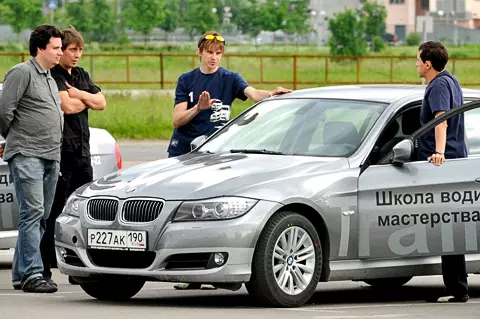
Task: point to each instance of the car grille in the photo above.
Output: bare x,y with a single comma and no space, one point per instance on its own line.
102,209
141,210
121,258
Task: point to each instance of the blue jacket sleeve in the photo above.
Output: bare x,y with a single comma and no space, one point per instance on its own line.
239,87
181,94
440,98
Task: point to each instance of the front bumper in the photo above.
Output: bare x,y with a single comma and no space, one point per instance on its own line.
167,242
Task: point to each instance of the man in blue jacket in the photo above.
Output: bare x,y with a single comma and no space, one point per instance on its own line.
446,141
199,92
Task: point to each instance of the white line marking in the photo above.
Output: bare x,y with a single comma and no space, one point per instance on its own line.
364,316
315,309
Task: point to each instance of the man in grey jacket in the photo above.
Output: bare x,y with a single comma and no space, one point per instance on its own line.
31,121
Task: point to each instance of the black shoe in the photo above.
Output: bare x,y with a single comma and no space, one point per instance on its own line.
38,285
51,282
17,287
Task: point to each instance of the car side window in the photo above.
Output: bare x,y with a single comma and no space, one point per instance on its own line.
403,125
472,131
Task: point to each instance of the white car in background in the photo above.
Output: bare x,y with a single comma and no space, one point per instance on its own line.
106,158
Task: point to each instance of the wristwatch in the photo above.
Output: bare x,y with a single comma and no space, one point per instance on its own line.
442,152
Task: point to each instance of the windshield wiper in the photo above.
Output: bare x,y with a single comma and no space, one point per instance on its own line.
251,151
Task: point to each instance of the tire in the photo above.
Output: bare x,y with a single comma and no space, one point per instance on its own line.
388,282
263,285
118,289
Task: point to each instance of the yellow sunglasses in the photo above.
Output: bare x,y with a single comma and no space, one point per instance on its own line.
211,37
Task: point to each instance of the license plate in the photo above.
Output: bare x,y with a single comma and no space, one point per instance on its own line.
117,239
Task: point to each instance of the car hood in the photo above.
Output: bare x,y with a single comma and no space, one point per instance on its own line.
196,176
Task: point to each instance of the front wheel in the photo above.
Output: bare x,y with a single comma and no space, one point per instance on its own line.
113,289
287,262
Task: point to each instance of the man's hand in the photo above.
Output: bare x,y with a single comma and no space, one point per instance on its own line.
73,92
437,159
280,90
204,101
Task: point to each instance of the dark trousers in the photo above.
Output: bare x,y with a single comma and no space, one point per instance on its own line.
454,272
75,172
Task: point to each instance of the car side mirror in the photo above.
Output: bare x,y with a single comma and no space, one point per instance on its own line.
197,141
402,152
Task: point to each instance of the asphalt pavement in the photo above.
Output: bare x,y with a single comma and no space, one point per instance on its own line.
333,300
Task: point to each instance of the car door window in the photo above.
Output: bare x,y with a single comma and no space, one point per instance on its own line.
472,130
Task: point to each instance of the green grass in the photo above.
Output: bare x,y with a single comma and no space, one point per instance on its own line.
148,117
277,70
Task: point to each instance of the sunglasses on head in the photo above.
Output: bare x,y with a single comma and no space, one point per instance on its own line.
211,37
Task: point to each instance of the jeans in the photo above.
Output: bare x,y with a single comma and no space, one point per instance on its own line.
76,171
34,180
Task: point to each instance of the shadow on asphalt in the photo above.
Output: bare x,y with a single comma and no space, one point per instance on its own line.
240,299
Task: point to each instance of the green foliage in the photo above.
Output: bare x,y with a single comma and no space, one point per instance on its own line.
347,34
21,14
298,18
375,16
171,16
103,22
413,39
143,15
378,44
249,19
79,17
274,14
199,17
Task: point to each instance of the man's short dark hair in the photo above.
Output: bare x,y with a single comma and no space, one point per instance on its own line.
40,37
435,52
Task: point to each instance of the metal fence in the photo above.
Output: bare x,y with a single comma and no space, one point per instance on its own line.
296,71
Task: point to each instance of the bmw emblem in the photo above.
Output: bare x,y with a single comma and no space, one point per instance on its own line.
290,260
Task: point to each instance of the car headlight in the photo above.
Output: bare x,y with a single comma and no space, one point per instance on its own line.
72,205
214,209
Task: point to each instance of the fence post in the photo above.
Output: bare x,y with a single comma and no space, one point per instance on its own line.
391,70
128,68
294,72
326,69
261,69
23,57
161,72
358,69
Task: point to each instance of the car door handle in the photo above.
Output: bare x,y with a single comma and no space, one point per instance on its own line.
477,180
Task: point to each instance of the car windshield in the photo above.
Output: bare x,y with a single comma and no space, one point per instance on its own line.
313,127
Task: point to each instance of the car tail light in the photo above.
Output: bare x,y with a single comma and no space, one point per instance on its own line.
118,156
394,39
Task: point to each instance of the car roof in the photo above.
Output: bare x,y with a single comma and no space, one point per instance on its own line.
386,93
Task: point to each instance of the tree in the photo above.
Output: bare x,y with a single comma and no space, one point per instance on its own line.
200,17
374,15
347,33
103,22
274,15
249,19
21,14
143,15
171,16
297,21
80,18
